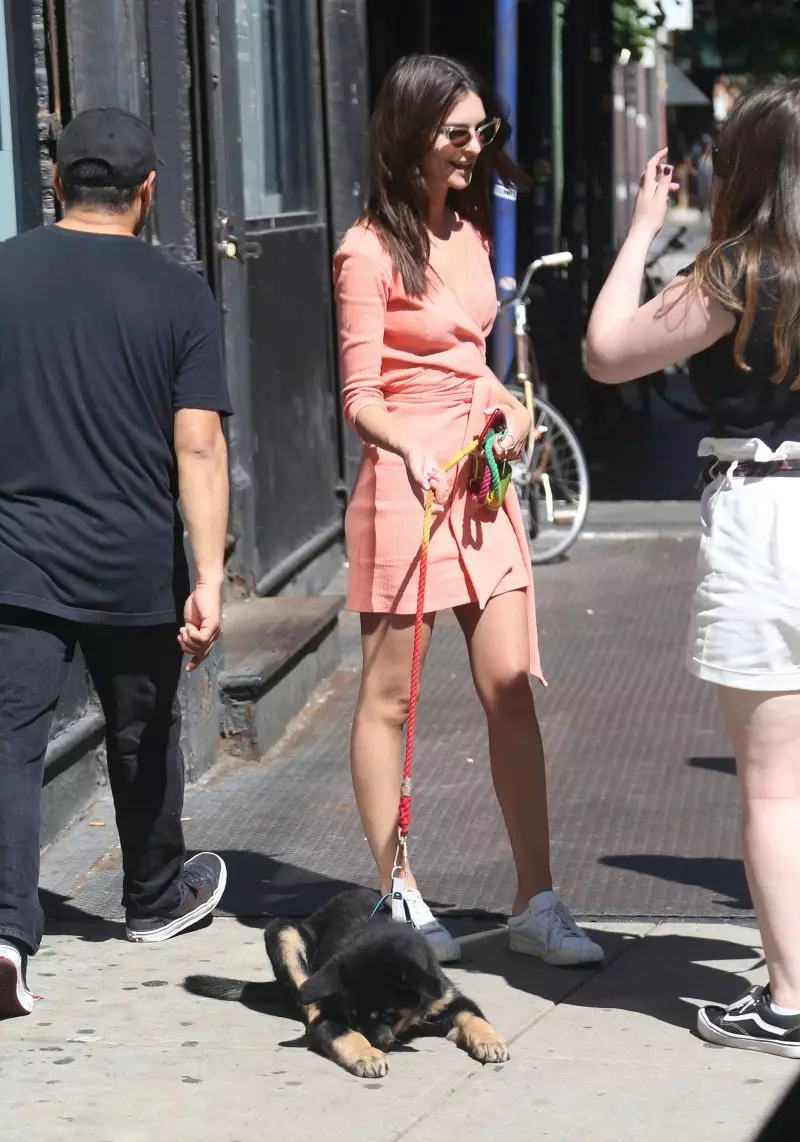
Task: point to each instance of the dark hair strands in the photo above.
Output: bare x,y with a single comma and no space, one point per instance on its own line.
90,184
414,101
755,221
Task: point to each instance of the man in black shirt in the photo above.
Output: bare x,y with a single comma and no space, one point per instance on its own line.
111,393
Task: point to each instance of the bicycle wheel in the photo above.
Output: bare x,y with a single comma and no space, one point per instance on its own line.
552,482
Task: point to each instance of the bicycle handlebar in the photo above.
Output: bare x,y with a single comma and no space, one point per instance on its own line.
547,261
562,258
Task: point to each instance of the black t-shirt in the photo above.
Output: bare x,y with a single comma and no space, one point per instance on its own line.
102,339
744,404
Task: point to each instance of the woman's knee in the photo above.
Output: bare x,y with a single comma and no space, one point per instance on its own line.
388,705
507,690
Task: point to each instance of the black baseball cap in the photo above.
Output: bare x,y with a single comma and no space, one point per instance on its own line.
117,139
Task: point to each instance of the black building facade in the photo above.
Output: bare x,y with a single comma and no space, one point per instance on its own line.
259,108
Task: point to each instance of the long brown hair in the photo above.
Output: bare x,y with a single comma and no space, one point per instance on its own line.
755,220
413,102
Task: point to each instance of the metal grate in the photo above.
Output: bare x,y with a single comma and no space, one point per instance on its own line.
642,789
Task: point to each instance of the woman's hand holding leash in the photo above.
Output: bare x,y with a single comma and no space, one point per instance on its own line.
425,472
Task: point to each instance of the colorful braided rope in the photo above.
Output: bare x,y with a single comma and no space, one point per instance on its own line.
491,473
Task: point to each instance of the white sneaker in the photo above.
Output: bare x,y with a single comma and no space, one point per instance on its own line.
548,930
419,914
15,998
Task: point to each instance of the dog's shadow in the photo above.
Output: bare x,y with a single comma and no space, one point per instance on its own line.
265,998
268,998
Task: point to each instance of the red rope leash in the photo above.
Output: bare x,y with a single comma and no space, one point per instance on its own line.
404,815
405,788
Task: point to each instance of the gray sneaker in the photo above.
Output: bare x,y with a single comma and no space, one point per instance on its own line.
547,930
443,945
204,880
15,998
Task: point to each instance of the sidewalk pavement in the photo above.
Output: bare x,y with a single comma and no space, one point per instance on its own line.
644,823
117,1051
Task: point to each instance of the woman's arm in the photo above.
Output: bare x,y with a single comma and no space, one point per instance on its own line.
504,399
362,282
361,286
375,426
625,340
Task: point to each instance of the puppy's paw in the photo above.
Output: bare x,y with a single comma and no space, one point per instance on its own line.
479,1039
489,1051
373,1064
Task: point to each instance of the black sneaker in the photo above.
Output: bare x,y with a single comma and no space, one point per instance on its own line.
204,879
15,999
751,1024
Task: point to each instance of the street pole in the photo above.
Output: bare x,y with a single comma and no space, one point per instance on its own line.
557,99
505,199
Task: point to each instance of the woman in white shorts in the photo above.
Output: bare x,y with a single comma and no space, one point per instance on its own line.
736,314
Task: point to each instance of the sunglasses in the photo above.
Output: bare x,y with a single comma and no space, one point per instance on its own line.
461,136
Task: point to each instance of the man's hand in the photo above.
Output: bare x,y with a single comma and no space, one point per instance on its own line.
203,486
202,623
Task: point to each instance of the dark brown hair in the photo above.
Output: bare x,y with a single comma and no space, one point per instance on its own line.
413,102
755,220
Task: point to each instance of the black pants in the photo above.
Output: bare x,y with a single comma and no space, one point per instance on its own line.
135,671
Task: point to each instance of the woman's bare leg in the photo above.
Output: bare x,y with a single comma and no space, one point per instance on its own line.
387,643
499,653
764,729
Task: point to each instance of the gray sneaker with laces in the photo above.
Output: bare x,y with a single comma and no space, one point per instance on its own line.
547,929
204,879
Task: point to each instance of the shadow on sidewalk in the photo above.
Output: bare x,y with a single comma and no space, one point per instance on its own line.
782,1124
655,977
64,918
714,764
259,886
723,875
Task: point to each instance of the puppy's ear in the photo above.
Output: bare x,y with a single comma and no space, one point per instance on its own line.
322,985
423,980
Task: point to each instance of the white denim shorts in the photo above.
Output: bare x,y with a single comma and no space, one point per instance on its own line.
745,630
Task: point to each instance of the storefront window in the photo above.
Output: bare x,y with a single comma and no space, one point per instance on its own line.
274,60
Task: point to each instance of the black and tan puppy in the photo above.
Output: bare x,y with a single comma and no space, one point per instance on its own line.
364,982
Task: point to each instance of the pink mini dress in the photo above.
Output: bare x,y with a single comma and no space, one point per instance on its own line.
424,360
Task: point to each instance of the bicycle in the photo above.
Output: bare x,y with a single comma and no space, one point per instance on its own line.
551,476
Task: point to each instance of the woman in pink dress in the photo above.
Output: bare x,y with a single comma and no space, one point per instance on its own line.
416,300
